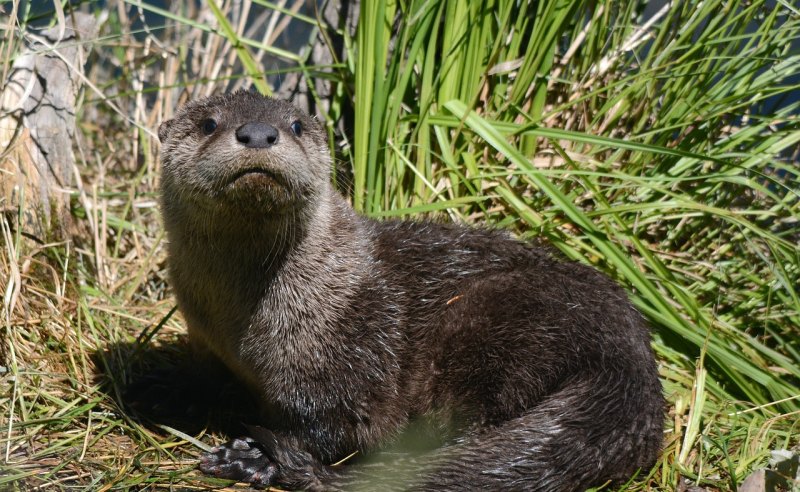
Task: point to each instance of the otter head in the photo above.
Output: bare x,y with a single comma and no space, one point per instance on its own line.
241,155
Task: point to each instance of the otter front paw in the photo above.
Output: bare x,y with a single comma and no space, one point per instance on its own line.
242,459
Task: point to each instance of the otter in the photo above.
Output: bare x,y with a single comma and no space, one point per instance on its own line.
523,370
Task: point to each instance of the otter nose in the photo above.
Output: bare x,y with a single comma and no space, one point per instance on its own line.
257,135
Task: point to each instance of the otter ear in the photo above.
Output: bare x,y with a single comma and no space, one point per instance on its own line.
163,130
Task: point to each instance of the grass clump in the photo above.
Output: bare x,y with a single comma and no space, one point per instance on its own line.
658,144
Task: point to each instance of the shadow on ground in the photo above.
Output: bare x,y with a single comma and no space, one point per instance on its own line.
165,385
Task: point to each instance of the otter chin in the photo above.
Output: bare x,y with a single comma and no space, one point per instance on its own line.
521,371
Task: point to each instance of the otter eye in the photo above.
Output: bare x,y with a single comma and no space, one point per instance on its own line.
297,128
208,126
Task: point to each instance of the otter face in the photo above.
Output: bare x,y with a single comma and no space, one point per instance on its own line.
244,153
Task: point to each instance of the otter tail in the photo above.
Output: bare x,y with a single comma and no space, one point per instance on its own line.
587,433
